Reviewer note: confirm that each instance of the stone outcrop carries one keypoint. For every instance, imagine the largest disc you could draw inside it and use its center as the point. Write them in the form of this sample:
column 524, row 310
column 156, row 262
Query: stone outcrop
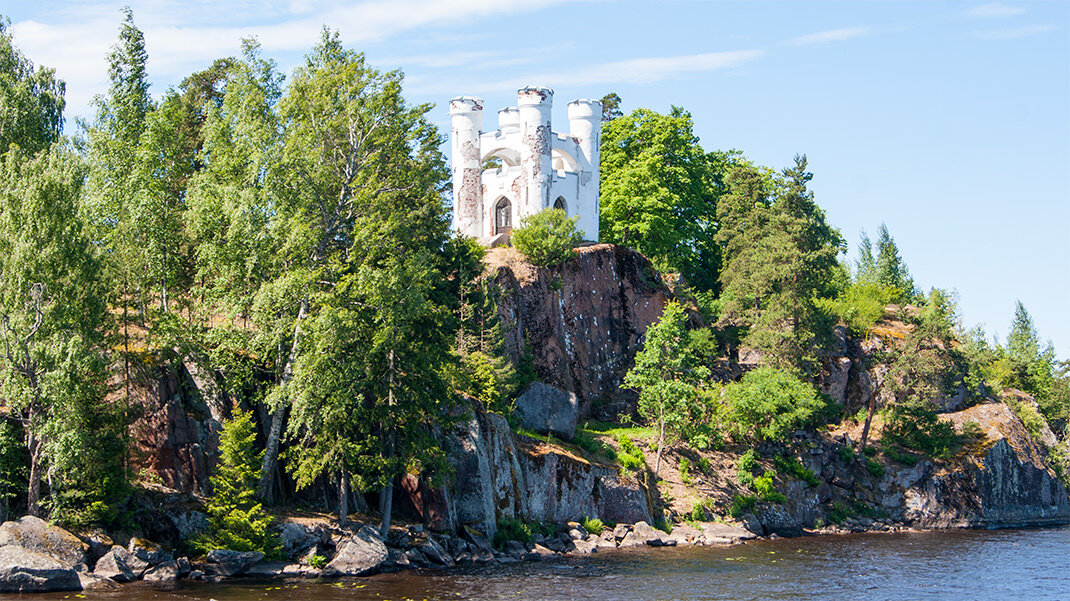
column 37, row 535
column 548, row 410
column 225, row 562
column 26, row 571
column 1005, row 483
column 581, row 323
column 498, row 475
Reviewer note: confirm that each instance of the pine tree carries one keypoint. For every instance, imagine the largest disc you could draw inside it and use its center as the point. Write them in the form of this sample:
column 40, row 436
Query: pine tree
column 237, row 521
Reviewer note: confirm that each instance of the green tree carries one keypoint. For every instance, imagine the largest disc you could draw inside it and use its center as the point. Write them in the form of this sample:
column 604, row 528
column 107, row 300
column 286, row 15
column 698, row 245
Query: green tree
column 666, row 374
column 547, row 237
column 611, row 107
column 52, row 314
column 31, row 101
column 767, row 404
column 890, row 269
column 659, row 193
column 235, row 519
column 780, row 254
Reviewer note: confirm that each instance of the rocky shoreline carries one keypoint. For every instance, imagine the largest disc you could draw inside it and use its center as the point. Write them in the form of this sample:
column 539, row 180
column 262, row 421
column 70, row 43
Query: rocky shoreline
column 38, row 557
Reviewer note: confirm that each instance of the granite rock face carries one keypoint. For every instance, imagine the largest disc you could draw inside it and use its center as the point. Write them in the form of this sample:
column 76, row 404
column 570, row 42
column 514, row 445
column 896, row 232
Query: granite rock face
column 581, row 322
column 548, row 410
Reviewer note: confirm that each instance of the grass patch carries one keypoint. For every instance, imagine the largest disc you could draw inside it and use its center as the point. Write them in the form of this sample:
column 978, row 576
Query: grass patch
column 742, row 504
column 593, row 525
column 629, row 455
column 615, row 431
column 791, row 465
column 685, row 472
column 874, row 467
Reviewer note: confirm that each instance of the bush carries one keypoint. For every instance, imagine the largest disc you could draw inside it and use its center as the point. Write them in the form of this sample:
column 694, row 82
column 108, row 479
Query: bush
column 860, row 306
column 704, row 465
column 769, row 403
column 1032, row 420
column 742, row 504
column 663, row 525
column 763, row 485
column 792, row 466
column 317, row 561
column 629, row 455
column 547, row 237
column 874, row 467
column 701, row 511
column 513, row 529
column 837, row 513
column 593, row 526
column 846, row 453
column 916, row 426
column 685, row 471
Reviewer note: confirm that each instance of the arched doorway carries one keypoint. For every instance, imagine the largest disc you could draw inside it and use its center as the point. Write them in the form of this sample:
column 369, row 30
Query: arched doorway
column 560, row 204
column 503, row 216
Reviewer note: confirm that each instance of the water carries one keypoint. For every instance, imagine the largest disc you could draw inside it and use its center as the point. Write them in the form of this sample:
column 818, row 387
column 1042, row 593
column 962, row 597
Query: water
column 975, row 565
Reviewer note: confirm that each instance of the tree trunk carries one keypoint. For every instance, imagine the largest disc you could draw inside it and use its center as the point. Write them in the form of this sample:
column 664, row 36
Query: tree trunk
column 271, row 453
column 869, row 420
column 661, row 445
column 33, row 494
column 386, row 499
column 343, row 497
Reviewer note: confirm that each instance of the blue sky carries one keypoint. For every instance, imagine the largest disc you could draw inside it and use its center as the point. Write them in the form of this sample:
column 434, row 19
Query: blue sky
column 948, row 121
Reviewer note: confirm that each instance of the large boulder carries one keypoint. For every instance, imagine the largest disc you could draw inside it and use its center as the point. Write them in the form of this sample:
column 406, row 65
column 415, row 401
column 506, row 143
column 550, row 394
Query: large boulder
column 166, row 571
column 148, row 551
column 548, row 410
column 358, row 555
column 116, row 564
column 37, row 535
column 26, row 571
column 225, row 562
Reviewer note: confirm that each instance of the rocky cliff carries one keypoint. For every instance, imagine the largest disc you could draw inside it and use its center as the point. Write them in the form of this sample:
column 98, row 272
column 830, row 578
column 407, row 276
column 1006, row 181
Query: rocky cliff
column 581, row 322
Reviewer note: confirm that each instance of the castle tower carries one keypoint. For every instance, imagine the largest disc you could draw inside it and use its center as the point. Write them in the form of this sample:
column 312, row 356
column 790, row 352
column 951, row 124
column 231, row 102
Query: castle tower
column 535, row 105
column 466, row 115
column 585, row 127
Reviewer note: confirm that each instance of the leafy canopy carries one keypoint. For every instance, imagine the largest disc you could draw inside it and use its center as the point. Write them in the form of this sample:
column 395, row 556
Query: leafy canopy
column 547, row 237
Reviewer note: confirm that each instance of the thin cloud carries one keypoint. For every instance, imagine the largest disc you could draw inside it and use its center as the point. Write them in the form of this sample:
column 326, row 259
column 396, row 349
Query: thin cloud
column 826, row 37
column 77, row 42
column 1012, row 33
column 633, row 71
column 993, row 10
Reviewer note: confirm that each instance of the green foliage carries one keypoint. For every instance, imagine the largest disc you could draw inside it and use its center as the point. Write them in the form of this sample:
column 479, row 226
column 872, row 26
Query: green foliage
column 874, row 467
column 664, row 525
column 665, row 374
column 14, row 462
column 629, row 455
column 779, row 255
column 916, row 426
column 317, row 561
column 685, row 472
column 860, row 306
column 838, row 512
column 768, row 403
column 519, row 530
column 885, row 270
column 1032, row 420
column 791, row 465
column 659, row 193
column 742, row 504
column 547, row 237
column 766, row 489
column 846, row 453
column 236, row 520
column 31, row 101
column 702, row 511
column 704, row 465
column 593, row 525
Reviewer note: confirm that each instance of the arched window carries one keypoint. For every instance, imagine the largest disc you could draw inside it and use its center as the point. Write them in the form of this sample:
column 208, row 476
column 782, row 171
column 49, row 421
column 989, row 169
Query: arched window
column 503, row 216
column 560, row 204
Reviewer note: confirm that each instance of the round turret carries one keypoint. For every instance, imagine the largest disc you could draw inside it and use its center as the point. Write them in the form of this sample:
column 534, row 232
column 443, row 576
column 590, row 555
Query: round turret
column 508, row 118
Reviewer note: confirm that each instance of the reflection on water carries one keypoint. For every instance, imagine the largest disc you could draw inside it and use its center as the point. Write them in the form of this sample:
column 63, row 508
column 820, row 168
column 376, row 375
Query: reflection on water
column 973, row 564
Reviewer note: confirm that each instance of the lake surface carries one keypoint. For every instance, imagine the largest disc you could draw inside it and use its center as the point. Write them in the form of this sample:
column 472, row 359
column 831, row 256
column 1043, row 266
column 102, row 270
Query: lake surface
column 955, row 564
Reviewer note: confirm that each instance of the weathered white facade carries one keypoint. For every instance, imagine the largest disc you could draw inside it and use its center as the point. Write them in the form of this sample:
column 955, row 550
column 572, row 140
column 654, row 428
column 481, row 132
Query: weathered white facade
column 539, row 169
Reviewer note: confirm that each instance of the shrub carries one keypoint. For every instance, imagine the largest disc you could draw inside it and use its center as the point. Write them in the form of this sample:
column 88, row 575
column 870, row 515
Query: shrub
column 593, row 525
column 846, row 453
column 663, row 525
column 837, row 513
column 317, row 561
column 236, row 521
column 915, row 425
column 861, row 305
column 547, row 237
column 701, row 511
column 704, row 465
column 685, row 471
column 1032, row 420
column 629, row 455
column 874, row 467
column 768, row 403
column 763, row 485
column 748, row 461
column 742, row 504
column 792, row 466
column 514, row 529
